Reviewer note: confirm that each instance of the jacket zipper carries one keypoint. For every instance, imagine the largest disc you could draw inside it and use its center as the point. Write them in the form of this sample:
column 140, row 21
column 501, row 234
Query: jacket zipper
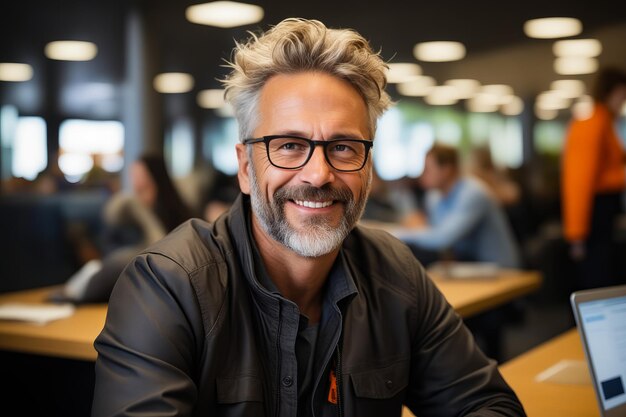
column 339, row 382
column 278, row 355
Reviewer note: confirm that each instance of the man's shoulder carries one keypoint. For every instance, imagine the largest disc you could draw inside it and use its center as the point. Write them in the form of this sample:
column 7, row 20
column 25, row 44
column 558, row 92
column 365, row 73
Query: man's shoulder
column 193, row 245
column 376, row 249
column 474, row 190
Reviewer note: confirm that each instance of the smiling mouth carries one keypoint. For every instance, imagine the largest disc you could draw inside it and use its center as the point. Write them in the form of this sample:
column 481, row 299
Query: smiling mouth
column 313, row 204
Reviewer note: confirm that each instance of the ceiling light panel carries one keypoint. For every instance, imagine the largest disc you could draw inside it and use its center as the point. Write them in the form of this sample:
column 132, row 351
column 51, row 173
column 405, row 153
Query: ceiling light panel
column 11, row 71
column 513, row 107
column 224, row 14
column 400, row 72
column 465, row 88
column 553, row 27
column 71, row 50
column 442, row 95
column 574, row 65
column 568, row 88
column 173, row 82
column 439, row 51
column 577, row 47
column 211, row 99
column 418, row 86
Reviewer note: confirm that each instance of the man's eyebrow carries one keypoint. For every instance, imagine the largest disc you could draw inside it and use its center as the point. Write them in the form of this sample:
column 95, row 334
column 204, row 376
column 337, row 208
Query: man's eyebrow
column 336, row 135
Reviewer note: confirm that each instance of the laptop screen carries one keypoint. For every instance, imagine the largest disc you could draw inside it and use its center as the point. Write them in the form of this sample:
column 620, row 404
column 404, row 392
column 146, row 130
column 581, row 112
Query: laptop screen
column 604, row 330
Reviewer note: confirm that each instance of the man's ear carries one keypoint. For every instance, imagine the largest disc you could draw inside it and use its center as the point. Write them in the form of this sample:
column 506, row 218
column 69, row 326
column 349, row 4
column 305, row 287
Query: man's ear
column 244, row 163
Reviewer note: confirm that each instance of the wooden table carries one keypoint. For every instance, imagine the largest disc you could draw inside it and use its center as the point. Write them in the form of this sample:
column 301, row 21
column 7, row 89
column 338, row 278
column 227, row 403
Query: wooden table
column 472, row 296
column 544, row 399
column 73, row 337
column 548, row 399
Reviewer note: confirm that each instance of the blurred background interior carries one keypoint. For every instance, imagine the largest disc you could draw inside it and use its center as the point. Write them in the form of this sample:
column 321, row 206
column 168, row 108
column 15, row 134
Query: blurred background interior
column 143, row 78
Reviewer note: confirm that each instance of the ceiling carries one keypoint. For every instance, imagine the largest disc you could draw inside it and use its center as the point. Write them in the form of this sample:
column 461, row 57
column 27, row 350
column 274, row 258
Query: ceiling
column 497, row 49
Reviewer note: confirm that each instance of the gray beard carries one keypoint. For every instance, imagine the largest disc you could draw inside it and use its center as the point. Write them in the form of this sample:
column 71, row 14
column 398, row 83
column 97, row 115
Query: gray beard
column 319, row 237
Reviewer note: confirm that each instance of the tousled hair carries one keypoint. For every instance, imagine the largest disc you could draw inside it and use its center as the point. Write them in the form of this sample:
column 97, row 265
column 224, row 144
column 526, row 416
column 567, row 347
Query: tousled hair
column 296, row 45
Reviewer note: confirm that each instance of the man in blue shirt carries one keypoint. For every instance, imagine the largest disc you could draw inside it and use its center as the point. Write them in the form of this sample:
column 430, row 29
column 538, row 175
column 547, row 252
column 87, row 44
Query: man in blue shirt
column 462, row 217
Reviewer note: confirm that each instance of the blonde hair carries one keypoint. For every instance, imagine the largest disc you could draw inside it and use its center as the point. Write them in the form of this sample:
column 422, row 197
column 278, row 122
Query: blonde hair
column 296, row 45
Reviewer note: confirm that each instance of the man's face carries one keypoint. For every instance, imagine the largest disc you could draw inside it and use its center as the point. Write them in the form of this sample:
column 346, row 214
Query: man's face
column 312, row 209
column 434, row 175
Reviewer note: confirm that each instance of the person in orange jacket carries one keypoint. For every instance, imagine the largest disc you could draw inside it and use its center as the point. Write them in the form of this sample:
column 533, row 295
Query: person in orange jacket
column 593, row 179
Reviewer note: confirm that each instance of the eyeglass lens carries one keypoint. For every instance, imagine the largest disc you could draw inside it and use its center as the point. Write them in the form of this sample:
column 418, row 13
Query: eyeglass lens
column 293, row 153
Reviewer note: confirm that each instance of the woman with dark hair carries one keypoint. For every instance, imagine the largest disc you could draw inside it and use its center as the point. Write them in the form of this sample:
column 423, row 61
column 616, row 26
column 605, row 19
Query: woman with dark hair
column 153, row 185
column 133, row 222
column 593, row 181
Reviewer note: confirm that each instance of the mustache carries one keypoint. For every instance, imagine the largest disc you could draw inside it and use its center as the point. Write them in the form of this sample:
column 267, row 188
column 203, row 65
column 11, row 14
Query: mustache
column 306, row 192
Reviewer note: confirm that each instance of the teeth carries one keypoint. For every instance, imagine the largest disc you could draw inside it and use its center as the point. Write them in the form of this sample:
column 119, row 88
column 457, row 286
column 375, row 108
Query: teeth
column 313, row 204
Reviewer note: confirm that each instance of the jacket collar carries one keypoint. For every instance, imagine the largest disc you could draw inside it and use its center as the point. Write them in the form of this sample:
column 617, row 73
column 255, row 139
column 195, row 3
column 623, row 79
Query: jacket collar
column 339, row 285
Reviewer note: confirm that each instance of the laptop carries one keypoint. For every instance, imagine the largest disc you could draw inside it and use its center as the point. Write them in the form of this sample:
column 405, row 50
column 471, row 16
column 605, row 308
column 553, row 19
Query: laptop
column 601, row 320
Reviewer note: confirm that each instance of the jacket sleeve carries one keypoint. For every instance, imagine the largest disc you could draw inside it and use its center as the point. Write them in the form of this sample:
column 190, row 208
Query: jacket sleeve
column 581, row 161
column 147, row 349
column 450, row 376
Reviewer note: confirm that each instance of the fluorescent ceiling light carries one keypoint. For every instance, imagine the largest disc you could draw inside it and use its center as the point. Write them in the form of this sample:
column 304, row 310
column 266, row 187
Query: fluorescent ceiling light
column 513, row 106
column 173, row 82
column 573, row 65
column 551, row 100
column 224, row 14
column 483, row 103
column 553, row 27
column 577, row 47
column 465, row 88
column 568, row 88
column 441, row 95
column 400, row 72
column 499, row 90
column 418, row 86
column 545, row 114
column 71, row 50
column 211, row 99
column 10, row 71
column 439, row 51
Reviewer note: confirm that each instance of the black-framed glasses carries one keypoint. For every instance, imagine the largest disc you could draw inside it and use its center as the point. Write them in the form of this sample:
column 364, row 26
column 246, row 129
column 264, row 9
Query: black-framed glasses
column 293, row 152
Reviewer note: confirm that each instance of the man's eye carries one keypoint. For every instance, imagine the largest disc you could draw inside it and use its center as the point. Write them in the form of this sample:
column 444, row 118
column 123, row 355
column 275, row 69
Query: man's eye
column 341, row 148
column 291, row 146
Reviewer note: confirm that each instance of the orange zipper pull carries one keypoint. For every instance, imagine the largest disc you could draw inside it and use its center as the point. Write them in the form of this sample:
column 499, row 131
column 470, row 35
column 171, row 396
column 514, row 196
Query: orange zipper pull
column 332, row 392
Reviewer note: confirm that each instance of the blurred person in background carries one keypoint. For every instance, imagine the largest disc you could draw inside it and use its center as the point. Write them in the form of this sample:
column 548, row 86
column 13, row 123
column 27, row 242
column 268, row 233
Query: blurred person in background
column 592, row 182
column 506, row 191
column 132, row 222
column 461, row 221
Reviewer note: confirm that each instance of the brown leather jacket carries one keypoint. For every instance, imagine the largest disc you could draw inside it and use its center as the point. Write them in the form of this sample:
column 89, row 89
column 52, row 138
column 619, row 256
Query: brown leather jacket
column 190, row 332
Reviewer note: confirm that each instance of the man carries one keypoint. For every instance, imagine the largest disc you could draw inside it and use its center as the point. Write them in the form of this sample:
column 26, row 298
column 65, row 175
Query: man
column 593, row 182
column 282, row 307
column 463, row 220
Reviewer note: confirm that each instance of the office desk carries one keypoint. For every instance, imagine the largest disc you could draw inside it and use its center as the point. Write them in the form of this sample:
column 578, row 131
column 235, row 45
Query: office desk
column 73, row 337
column 67, row 338
column 543, row 399
column 472, row 296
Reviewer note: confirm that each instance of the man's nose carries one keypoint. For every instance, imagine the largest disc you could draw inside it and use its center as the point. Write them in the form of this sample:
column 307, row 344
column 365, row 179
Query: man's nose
column 317, row 172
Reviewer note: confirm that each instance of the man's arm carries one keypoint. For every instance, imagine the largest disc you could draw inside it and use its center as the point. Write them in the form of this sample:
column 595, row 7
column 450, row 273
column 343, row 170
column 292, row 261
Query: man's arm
column 147, row 348
column 460, row 220
column 450, row 375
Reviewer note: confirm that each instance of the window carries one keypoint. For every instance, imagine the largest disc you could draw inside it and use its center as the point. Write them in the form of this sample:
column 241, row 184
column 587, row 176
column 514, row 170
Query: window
column 30, row 148
column 85, row 144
